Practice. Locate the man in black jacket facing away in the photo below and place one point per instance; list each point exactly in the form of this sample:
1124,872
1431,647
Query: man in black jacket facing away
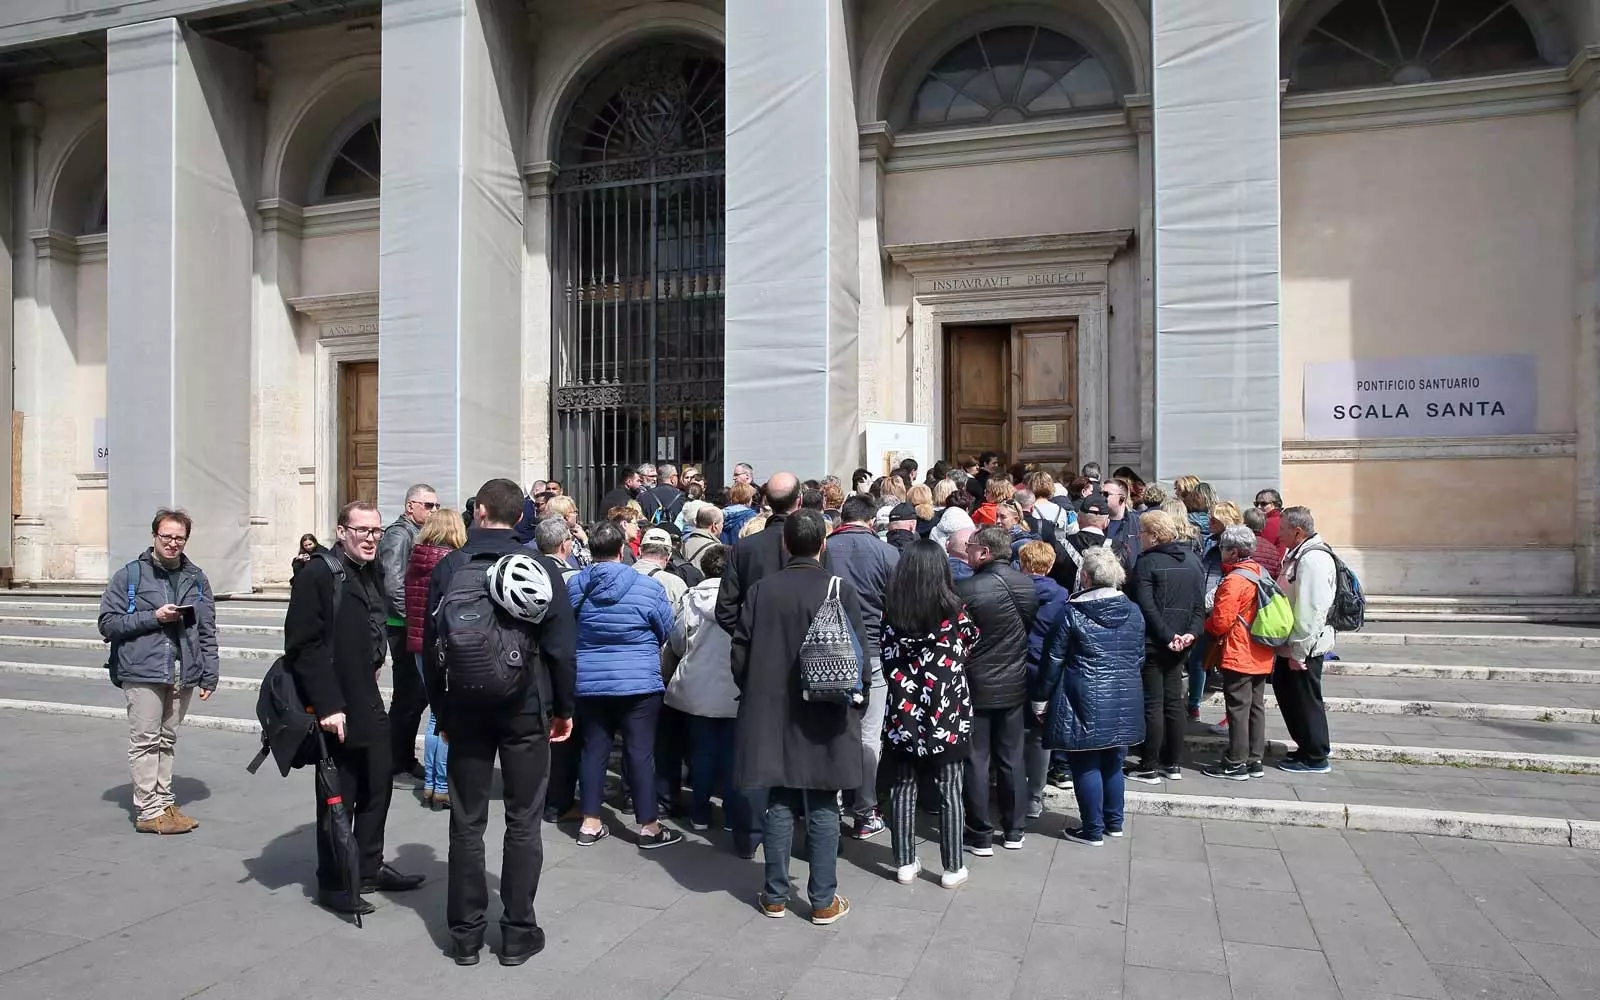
1003,603
520,734
759,555
335,660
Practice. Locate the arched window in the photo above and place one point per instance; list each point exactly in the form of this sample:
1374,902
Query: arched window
97,219
1365,43
1008,75
352,166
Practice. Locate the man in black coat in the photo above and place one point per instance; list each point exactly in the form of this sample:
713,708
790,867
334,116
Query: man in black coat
803,752
334,650
1003,604
757,555
1170,589
520,735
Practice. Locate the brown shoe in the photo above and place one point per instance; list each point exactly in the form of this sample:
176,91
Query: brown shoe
833,914
188,821
768,908
165,824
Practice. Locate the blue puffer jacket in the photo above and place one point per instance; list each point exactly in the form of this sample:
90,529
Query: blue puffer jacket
1090,674
1052,608
734,517
623,618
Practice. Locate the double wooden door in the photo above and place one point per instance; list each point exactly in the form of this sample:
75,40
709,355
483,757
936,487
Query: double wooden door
1013,389
358,431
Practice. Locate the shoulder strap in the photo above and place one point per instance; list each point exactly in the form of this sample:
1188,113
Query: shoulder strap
133,582
653,572
337,569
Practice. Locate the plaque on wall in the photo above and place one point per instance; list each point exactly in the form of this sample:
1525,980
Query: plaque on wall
1044,433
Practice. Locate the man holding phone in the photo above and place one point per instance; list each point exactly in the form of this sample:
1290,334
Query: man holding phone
158,615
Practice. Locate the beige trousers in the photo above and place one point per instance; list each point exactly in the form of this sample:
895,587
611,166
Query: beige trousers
154,713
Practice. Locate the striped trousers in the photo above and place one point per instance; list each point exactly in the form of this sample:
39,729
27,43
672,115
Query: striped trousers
903,775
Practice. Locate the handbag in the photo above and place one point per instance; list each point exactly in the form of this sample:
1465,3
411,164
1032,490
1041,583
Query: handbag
830,658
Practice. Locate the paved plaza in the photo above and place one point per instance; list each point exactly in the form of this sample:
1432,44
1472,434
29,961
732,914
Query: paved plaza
1179,910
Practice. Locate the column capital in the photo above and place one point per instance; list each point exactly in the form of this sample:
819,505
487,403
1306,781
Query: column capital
877,141
27,117
1139,112
539,176
280,215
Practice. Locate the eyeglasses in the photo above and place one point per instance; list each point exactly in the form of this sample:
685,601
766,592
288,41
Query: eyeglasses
364,532
174,539
1263,503
428,504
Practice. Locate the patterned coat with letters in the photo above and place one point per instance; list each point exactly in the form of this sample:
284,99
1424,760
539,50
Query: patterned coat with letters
928,711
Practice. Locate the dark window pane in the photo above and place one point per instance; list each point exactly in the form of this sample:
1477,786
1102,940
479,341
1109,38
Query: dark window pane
1010,74
1364,43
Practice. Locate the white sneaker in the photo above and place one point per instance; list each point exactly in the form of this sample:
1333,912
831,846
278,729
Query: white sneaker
907,874
951,880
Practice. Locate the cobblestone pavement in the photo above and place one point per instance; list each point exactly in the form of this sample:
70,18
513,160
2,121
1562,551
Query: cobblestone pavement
1178,910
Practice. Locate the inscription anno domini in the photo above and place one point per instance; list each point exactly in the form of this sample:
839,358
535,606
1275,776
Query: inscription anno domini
991,282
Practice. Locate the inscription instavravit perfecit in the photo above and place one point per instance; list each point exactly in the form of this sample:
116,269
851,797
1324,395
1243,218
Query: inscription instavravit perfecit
996,282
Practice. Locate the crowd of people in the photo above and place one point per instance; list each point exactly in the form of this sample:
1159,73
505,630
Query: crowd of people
1012,628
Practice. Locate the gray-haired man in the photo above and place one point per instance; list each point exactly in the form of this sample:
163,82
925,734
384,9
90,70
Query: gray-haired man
410,699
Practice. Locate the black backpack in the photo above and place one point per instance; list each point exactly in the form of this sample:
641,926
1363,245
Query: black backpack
1349,611
286,727
483,651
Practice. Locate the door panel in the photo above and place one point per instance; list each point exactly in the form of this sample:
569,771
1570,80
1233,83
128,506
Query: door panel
979,376
1046,380
358,430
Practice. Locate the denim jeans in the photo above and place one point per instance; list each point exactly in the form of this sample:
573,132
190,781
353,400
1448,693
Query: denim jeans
435,754
871,742
711,769
821,807
1097,782
1196,665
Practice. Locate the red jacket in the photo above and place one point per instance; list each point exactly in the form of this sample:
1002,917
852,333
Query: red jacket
1274,520
987,513
423,559
1268,555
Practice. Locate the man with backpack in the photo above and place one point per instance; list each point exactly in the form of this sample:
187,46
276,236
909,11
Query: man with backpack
333,645
499,661
1309,578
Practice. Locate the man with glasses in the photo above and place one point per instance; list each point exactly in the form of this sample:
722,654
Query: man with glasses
1124,524
159,617
333,644
410,697
1270,503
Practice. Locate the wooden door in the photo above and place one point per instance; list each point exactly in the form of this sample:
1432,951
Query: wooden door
1044,378
978,417
358,430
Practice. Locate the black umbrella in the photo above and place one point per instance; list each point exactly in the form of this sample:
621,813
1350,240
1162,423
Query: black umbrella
338,825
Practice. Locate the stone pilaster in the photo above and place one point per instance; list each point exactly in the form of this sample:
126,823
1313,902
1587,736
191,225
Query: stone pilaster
537,342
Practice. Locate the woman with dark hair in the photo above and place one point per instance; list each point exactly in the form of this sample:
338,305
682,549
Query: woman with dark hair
927,637
938,473
859,480
308,548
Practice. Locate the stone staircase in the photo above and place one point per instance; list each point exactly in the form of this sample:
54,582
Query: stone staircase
1447,726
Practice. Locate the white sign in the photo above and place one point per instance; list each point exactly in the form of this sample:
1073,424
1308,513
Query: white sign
102,454
1465,396
889,443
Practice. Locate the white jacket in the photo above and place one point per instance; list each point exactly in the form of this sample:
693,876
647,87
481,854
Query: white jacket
703,684
1308,579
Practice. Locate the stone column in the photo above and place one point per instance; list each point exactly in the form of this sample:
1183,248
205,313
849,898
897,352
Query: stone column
537,346
1586,399
793,283
281,414
450,249
183,146
19,156
1139,119
1216,98
876,140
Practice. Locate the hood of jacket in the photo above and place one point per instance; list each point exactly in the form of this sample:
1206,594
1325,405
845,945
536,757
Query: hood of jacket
1048,590
1104,606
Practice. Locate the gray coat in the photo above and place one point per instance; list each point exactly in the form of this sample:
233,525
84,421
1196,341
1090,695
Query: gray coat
859,556
147,651
394,555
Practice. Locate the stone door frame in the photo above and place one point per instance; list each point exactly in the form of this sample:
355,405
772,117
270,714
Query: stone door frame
1012,280
347,331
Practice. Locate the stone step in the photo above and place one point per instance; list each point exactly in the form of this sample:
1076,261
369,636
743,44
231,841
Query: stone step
1390,608
89,611
25,624
1455,672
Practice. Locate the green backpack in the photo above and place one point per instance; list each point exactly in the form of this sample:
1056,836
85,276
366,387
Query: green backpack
1274,615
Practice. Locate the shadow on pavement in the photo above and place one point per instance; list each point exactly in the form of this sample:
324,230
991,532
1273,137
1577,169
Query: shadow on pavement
288,859
185,790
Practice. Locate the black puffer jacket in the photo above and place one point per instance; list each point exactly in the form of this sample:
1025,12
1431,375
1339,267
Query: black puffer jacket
1002,602
1170,588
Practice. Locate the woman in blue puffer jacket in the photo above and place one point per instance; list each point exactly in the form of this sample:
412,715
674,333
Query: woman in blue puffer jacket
623,618
1090,695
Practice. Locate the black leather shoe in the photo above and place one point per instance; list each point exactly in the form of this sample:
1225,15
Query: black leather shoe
524,950
464,955
341,902
389,880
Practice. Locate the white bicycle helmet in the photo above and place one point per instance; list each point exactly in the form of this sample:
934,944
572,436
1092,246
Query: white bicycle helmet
520,585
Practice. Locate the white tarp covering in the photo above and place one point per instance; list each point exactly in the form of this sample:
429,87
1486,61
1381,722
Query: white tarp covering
450,249
1217,242
180,126
791,397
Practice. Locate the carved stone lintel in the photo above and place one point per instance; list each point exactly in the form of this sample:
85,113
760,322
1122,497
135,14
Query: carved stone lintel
340,315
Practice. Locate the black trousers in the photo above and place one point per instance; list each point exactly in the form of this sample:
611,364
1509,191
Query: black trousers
409,701
1165,715
997,735
519,739
565,761
672,753
364,784
1299,694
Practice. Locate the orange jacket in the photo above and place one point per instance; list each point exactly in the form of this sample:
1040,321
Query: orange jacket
1231,616
986,514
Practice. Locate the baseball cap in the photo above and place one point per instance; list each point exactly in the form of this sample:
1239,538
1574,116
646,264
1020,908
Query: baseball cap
657,536
903,512
1094,503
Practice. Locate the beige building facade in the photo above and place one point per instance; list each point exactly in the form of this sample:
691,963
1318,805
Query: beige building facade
285,276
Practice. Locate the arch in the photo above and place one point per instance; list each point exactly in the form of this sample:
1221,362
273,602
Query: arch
595,50
336,149
917,32
299,140
1545,19
72,194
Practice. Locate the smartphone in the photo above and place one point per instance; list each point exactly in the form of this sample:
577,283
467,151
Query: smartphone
187,613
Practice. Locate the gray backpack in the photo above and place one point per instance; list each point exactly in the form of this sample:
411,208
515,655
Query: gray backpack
830,656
